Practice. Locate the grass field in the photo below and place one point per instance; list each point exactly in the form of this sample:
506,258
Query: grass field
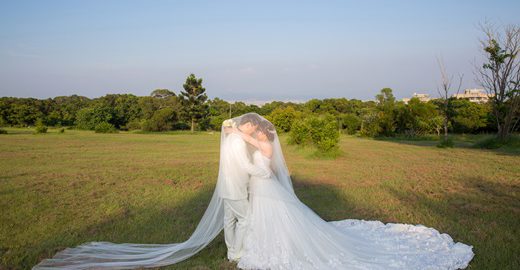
60,190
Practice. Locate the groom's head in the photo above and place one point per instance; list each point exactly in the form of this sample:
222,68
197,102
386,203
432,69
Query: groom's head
249,123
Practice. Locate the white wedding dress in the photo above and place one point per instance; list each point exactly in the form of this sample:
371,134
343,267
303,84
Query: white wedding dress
283,233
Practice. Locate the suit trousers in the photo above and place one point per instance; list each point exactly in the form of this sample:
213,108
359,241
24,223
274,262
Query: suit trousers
235,225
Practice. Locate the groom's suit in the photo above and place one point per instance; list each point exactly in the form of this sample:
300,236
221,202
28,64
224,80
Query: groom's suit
237,170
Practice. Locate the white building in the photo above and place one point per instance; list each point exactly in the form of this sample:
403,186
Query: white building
421,97
475,95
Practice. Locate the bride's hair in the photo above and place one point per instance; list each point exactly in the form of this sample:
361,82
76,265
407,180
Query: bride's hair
252,118
267,128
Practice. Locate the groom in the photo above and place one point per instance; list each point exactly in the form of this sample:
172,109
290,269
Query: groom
237,170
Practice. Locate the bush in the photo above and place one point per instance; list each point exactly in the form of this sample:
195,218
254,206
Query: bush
3,131
283,118
350,123
40,127
494,142
320,131
161,120
445,143
105,127
88,118
134,124
370,126
61,130
300,133
215,122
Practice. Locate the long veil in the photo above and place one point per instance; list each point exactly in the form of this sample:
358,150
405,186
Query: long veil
107,255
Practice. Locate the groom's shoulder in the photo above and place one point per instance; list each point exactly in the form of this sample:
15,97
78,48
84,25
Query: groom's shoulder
235,137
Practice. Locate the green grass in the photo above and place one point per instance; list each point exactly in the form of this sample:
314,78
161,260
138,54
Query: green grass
61,190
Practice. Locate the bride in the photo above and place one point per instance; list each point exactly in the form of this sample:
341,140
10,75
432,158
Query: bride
282,232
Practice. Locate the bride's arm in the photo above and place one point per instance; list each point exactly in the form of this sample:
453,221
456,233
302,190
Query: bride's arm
248,138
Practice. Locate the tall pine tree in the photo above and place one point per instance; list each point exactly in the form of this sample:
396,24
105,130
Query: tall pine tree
193,100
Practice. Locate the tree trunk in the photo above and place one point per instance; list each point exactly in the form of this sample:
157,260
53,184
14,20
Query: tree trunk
192,125
503,133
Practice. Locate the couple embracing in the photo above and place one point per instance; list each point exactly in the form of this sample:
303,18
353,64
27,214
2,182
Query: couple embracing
238,169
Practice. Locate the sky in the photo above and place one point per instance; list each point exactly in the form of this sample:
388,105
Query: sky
251,51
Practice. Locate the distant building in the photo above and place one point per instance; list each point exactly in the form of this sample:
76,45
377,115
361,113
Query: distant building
475,95
421,97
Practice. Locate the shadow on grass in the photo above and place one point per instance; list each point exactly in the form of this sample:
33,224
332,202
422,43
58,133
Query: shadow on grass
132,225
169,225
483,213
460,141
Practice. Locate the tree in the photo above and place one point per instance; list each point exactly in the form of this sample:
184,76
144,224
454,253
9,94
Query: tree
500,75
193,99
161,120
283,118
350,123
320,131
90,117
468,116
419,118
370,126
445,95
162,93
386,111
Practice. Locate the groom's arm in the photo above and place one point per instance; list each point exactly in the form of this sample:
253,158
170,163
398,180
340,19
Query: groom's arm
238,148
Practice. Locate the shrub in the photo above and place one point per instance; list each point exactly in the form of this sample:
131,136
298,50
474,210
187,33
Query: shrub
105,127
445,143
370,126
350,123
320,131
134,124
494,142
300,133
161,120
283,118
3,131
61,130
215,122
40,127
90,117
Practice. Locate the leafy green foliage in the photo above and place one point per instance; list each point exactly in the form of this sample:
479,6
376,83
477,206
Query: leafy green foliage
418,118
350,123
162,120
105,127
383,117
386,112
40,127
495,143
162,93
194,100
135,124
319,131
370,126
501,75
283,118
88,118
468,116
446,143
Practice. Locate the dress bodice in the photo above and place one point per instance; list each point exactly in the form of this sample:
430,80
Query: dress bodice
261,161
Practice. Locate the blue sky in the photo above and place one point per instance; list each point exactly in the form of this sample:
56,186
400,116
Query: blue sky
243,50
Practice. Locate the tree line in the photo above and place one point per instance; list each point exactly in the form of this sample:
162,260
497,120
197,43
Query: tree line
191,109
165,110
